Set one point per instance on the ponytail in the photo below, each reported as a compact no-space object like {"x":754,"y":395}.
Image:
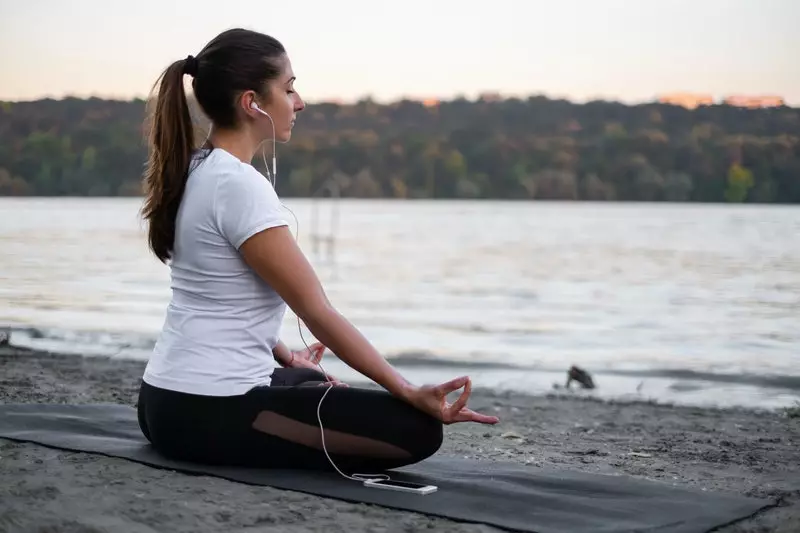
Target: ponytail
{"x":170,"y":147}
{"x":236,"y":60}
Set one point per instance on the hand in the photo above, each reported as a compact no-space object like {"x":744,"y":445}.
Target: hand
{"x":433,"y":400}
{"x":313,"y":353}
{"x":310,"y":358}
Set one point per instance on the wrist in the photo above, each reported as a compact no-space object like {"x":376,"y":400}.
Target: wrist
{"x":403,"y":389}
{"x":282,"y":354}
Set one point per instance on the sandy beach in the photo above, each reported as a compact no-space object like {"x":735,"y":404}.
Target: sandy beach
{"x":755,"y":453}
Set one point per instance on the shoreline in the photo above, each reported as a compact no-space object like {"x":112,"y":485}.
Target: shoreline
{"x":688,"y":387}
{"x":753,"y":452}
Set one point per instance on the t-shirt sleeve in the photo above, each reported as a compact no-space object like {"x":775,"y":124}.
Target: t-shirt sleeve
{"x":245,"y":204}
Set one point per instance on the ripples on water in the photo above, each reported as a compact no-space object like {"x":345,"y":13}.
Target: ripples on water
{"x":686,"y":303}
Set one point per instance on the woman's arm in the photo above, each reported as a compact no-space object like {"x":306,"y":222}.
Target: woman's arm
{"x":275,"y":256}
{"x":282,"y":353}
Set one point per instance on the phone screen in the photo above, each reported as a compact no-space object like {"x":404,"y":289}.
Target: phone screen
{"x":393,"y":483}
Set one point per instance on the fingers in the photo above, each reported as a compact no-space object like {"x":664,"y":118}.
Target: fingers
{"x":316,"y":352}
{"x":450,"y":386}
{"x":468,"y":415}
{"x":458,"y":411}
{"x":337,"y":382}
{"x":333,"y":384}
{"x":331,"y":380}
{"x":461,"y":402}
{"x":312,"y":353}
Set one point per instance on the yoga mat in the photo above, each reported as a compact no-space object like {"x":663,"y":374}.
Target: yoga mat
{"x":505,"y":495}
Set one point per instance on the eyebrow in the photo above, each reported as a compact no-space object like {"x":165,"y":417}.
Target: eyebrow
{"x":290,"y":80}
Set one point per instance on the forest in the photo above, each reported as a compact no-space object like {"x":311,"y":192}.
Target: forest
{"x":533,"y":148}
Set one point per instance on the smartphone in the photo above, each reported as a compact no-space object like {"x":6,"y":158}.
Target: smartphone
{"x":402,"y":486}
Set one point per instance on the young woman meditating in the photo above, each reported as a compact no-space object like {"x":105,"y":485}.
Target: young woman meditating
{"x":220,"y":387}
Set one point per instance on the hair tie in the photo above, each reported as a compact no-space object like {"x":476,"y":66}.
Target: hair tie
{"x":190,"y":65}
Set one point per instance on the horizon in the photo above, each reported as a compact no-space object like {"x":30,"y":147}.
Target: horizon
{"x":574,"y":50}
{"x":389,"y":102}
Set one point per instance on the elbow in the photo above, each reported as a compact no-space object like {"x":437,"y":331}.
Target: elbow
{"x":315,"y":313}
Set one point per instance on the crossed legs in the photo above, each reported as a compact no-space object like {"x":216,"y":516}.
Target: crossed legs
{"x":365,"y":430}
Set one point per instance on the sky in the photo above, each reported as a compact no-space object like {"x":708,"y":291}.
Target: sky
{"x":625,"y":50}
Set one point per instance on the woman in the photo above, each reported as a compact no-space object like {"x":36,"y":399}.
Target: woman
{"x":220,"y":386}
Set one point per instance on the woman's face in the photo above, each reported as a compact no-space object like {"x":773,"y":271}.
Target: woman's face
{"x":283,"y":103}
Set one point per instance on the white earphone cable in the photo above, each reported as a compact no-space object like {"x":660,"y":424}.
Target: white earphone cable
{"x":273,"y":179}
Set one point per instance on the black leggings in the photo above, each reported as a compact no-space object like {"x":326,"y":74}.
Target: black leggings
{"x":366,"y":431}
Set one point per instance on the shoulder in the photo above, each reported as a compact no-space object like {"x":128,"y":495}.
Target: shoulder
{"x":238,"y":178}
{"x":244,"y":201}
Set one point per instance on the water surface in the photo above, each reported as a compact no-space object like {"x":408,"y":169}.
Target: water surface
{"x":682,"y":303}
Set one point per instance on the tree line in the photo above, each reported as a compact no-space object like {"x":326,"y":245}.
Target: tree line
{"x":534,"y":148}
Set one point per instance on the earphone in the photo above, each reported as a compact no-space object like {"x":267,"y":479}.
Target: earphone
{"x":273,"y":180}
{"x":274,"y":157}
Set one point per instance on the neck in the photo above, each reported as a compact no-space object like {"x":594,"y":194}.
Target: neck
{"x":238,"y":143}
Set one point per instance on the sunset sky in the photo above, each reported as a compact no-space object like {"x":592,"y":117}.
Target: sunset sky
{"x":628,"y":50}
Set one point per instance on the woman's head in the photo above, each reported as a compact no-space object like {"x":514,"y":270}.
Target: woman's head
{"x":237,"y":69}
{"x":234,"y":75}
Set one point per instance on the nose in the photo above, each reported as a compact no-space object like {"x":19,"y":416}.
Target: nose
{"x":299,"y":104}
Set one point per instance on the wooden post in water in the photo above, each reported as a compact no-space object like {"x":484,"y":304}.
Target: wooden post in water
{"x":318,"y":238}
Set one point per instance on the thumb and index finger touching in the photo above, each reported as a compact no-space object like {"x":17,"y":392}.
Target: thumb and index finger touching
{"x":453,"y":385}
{"x":317,"y":351}
{"x":458,"y":411}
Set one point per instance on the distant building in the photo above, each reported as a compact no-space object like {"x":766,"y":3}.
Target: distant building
{"x":687,"y":100}
{"x":490,"y":97}
{"x":754,"y":101}
{"x":695,"y":100}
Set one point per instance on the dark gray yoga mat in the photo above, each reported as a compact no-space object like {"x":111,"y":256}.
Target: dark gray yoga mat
{"x":504,"y":495}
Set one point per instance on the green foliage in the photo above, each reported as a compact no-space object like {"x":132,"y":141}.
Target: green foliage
{"x":740,"y":181}
{"x":533,"y":148}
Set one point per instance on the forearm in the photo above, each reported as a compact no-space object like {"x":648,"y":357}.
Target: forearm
{"x":349,"y":345}
{"x":282,"y":353}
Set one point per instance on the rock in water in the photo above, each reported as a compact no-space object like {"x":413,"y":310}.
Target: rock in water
{"x":581,"y":376}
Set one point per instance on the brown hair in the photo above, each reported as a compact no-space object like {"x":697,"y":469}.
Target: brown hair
{"x":234,"y":61}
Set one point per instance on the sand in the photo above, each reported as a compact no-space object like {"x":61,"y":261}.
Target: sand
{"x":755,"y":453}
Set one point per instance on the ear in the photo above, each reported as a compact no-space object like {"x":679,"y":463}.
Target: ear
{"x":246,"y":101}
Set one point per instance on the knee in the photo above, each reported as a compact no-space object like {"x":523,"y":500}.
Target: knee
{"x":142,"y":418}
{"x":305,"y":375}
{"x":143,"y":426}
{"x":293,"y":377}
{"x":429,"y":437}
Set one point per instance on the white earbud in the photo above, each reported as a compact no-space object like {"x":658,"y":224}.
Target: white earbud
{"x":255,"y":106}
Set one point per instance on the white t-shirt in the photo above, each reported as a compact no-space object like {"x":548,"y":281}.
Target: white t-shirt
{"x":223,"y":320}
